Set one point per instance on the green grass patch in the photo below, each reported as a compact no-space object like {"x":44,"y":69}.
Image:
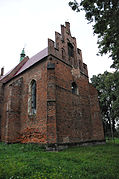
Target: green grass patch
{"x":112,"y":141}
{"x":30,"y":161}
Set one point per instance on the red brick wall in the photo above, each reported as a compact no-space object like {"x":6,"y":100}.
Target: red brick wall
{"x":19,"y":125}
{"x":51,"y":103}
{"x":72,"y":111}
{"x":12,"y":111}
{"x":61,"y":117}
{"x":77,"y":116}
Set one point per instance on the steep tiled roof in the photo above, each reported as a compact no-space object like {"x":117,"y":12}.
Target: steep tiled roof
{"x":33,"y":60}
{"x":26,"y":64}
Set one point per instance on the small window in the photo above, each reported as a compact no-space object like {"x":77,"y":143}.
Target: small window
{"x":63,"y":54}
{"x":70,"y":50}
{"x":74,"y":88}
{"x":32,"y":98}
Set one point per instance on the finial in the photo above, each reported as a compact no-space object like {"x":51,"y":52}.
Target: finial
{"x":22,"y":55}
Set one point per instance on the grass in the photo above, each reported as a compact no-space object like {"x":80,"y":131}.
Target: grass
{"x":29,"y":161}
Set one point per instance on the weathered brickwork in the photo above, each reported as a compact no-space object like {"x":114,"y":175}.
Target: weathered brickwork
{"x":66,"y":109}
{"x":30,"y":128}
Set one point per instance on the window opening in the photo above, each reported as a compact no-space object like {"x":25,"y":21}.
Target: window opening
{"x":63,"y":54}
{"x":70,"y":50}
{"x":74,"y":88}
{"x":32,"y":98}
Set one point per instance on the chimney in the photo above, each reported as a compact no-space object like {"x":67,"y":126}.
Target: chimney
{"x":2,"y":71}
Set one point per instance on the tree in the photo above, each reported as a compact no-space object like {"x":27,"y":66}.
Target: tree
{"x":105,"y":17}
{"x":107,"y":85}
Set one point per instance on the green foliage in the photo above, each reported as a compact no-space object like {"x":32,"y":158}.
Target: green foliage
{"x":107,"y":85}
{"x":114,"y":141}
{"x":29,"y":161}
{"x":105,"y":17}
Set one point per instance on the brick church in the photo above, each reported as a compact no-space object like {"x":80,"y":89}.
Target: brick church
{"x":48,"y":99}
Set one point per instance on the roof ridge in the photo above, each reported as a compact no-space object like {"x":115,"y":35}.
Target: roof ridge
{"x":15,"y":70}
{"x":24,"y":64}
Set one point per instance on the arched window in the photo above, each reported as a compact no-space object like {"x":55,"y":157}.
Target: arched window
{"x":70,"y":50}
{"x":74,"y":88}
{"x":32,"y":97}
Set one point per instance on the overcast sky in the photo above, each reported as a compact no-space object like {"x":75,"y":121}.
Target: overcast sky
{"x":29,"y":23}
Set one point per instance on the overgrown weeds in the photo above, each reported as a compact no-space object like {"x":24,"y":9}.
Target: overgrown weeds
{"x":30,"y":161}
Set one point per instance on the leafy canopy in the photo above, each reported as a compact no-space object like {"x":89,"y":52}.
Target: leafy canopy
{"x":107,"y":85}
{"x":105,"y":17}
